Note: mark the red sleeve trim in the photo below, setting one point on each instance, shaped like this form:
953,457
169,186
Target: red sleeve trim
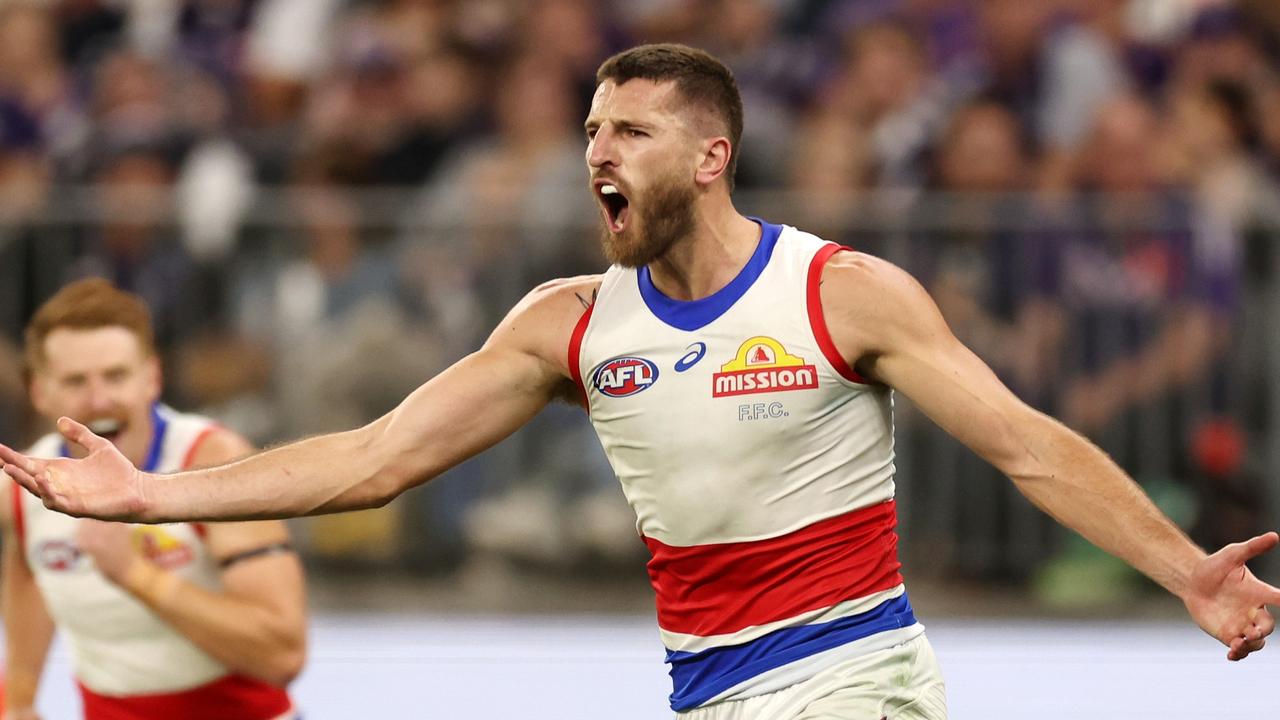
19,519
575,353
818,321
190,457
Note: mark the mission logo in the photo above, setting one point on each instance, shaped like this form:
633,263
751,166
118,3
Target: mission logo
763,365
624,376
161,548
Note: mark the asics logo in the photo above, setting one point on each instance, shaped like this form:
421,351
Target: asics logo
691,358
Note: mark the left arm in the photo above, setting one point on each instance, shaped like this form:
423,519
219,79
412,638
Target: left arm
884,322
256,623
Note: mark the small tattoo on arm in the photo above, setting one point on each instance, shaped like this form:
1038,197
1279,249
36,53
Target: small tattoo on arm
587,303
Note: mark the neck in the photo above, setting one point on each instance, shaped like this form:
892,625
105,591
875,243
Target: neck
712,255
139,445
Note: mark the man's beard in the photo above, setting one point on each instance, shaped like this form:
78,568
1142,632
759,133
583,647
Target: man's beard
664,217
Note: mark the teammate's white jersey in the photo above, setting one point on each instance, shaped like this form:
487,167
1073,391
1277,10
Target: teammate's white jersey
129,662
760,468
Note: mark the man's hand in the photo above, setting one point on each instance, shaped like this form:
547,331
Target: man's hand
21,714
103,485
111,546
1228,602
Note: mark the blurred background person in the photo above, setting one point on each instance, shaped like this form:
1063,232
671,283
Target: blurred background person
1141,283
183,620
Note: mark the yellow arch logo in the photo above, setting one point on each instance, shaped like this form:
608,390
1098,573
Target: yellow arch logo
160,547
761,352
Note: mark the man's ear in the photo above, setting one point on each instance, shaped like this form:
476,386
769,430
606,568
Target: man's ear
714,161
35,391
154,377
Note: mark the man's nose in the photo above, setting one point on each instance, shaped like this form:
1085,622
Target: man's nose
99,396
600,151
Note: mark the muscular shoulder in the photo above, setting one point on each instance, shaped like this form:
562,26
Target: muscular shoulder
872,306
222,445
217,446
569,296
854,274
542,323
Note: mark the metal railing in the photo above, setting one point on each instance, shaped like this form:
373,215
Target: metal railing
318,308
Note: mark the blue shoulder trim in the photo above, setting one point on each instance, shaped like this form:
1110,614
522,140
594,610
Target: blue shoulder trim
158,427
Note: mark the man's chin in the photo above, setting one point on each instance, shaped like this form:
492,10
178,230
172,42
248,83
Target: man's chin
627,249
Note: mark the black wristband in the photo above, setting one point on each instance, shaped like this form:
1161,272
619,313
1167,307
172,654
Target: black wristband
273,549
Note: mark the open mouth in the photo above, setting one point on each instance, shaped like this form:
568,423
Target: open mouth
109,428
615,204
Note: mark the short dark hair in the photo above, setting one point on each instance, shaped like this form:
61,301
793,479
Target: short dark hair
698,75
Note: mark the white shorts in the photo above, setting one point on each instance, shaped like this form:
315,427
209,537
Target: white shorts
901,683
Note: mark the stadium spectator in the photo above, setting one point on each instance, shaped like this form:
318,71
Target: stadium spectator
1142,296
978,255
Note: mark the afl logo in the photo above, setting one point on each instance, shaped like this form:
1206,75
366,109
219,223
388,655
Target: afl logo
624,376
58,555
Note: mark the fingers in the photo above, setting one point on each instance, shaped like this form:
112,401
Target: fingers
30,473
23,478
81,435
1250,636
38,483
9,456
1264,622
1240,553
1241,648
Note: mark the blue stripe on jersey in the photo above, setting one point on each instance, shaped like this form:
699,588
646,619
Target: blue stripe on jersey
695,314
158,427
698,677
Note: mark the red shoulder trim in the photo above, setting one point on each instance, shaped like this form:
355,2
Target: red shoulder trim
575,353
190,457
818,321
19,520
201,531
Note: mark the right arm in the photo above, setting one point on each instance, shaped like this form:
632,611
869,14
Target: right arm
466,409
27,625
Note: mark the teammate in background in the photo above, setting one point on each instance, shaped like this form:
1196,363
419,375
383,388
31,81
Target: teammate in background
738,374
192,621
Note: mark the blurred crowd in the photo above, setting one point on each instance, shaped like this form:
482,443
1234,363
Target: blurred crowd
325,201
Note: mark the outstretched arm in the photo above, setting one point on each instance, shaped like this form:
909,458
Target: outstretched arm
255,622
464,410
886,323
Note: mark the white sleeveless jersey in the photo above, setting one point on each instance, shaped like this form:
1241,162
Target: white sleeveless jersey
119,648
760,468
